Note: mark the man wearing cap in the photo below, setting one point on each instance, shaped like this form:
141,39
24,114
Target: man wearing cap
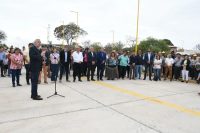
178,67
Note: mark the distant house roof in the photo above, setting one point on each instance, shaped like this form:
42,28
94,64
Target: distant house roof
172,47
189,52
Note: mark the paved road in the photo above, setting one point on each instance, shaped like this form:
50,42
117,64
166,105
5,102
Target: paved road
121,106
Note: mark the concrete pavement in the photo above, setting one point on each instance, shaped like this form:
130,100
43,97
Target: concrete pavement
120,106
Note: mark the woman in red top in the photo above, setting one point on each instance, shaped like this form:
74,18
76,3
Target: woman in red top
16,65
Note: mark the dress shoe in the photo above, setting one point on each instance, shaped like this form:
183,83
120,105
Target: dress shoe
93,80
80,80
3,76
37,98
13,85
19,85
101,79
68,80
74,80
88,79
28,83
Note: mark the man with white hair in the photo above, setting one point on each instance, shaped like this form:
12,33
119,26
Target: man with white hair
35,68
77,57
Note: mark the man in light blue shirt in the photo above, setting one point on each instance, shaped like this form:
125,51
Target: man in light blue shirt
2,58
123,63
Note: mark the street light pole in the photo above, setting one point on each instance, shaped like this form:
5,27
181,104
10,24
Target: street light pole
77,15
113,36
63,33
137,31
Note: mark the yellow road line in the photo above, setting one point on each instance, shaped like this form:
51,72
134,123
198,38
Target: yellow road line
150,99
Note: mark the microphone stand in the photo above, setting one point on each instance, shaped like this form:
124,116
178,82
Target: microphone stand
55,93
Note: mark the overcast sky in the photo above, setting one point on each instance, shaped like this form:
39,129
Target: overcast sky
177,20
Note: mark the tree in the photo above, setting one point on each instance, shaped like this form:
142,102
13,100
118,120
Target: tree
197,47
96,45
86,44
130,42
2,36
154,44
69,32
108,48
118,46
168,42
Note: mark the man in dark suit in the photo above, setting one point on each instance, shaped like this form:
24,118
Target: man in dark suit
65,59
91,64
148,62
101,59
35,68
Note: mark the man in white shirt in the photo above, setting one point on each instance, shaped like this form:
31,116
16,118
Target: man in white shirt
77,58
169,61
27,62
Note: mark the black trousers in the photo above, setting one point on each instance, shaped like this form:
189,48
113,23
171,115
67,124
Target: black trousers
2,68
122,71
34,83
27,67
128,71
64,67
91,70
177,72
85,68
192,72
100,70
77,68
148,67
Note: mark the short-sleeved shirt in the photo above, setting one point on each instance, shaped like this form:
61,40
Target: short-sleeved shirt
17,58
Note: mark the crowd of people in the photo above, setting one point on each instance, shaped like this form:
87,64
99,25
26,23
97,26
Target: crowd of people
53,63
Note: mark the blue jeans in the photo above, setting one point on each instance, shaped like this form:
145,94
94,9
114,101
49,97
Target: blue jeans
157,74
54,70
15,75
138,71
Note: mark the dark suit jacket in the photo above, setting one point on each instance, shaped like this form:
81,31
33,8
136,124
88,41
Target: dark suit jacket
146,59
92,58
35,59
101,56
62,57
132,59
